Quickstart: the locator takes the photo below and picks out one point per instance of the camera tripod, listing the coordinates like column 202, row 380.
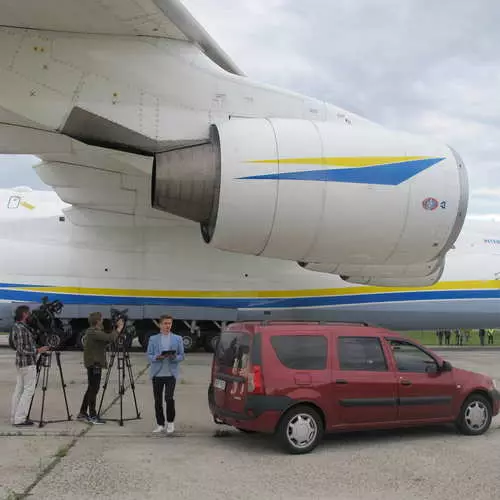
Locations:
column 120, row 352
column 43, row 365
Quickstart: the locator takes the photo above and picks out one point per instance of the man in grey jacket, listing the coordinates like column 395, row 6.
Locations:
column 164, row 370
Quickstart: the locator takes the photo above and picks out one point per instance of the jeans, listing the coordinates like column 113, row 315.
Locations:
column 94, row 381
column 23, row 393
column 167, row 383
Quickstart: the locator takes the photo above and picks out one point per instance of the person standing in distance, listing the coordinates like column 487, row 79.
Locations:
column 94, row 359
column 164, row 370
column 26, row 351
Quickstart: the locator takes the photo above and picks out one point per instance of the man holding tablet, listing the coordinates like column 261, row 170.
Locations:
column 165, row 352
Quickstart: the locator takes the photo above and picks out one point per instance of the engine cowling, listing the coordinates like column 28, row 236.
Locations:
column 402, row 281
column 388, row 271
column 317, row 192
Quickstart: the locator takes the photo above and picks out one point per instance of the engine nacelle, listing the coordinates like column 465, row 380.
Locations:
column 317, row 192
column 403, row 271
column 404, row 281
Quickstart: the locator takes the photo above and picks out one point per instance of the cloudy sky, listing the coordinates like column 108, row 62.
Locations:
column 426, row 66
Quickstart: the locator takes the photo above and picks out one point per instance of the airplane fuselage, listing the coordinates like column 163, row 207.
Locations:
column 157, row 269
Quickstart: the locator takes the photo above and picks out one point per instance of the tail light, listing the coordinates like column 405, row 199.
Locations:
column 255, row 380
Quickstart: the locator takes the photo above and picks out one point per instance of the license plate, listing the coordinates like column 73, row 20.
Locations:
column 220, row 384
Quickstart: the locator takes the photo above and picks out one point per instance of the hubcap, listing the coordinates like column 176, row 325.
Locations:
column 476, row 415
column 301, row 430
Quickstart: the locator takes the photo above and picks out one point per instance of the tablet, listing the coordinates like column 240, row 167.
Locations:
column 166, row 353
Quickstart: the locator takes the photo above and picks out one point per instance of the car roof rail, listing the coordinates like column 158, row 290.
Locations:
column 266, row 322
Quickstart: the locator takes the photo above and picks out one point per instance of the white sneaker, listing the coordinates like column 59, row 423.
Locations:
column 170, row 427
column 160, row 428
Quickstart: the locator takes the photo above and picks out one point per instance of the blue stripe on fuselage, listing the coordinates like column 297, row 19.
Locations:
column 250, row 303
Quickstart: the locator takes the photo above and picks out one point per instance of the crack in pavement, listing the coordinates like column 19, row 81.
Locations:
column 62, row 452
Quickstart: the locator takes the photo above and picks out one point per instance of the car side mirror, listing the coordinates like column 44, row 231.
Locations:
column 446, row 366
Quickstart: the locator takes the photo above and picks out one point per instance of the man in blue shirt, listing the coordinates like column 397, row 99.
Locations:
column 164, row 370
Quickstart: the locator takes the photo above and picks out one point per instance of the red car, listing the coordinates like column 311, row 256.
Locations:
column 300, row 380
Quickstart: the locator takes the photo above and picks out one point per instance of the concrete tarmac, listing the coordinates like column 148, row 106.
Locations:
column 74, row 460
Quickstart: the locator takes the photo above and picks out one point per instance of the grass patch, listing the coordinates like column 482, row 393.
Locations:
column 63, row 451
column 12, row 495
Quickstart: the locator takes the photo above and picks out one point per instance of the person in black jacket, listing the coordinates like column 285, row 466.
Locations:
column 94, row 359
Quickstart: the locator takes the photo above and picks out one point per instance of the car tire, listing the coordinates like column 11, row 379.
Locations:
column 300, row 430
column 475, row 415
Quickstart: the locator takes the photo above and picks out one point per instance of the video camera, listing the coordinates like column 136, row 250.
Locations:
column 128, row 332
column 48, row 329
column 116, row 315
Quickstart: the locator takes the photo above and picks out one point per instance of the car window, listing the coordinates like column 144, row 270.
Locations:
column 233, row 350
column 361, row 354
column 301, row 352
column 410, row 358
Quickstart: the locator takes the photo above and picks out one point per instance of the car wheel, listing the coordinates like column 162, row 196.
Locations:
column 300, row 430
column 475, row 415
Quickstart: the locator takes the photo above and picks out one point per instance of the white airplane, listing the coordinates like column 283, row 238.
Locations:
column 185, row 183
column 44, row 254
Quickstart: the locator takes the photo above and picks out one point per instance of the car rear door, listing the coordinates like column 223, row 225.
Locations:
column 424, row 392
column 230, row 370
column 363, row 384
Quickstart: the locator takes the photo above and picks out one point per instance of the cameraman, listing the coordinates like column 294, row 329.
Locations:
column 26, row 351
column 94, row 359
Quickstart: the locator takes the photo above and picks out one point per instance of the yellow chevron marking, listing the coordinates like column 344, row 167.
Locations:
column 345, row 161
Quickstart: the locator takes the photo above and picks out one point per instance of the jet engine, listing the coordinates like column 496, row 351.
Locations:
column 319, row 192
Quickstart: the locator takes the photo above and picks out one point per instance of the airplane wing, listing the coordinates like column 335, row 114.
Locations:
column 105, row 186
column 151, row 18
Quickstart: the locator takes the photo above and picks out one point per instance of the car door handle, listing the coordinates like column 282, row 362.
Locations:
column 405, row 381
column 341, row 381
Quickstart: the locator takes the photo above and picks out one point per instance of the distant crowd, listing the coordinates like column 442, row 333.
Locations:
column 463, row 337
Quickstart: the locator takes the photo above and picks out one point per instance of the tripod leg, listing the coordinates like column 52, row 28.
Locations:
column 58, row 359
column 106, row 381
column 38, row 368
column 132, row 383
column 121, row 383
column 47, row 361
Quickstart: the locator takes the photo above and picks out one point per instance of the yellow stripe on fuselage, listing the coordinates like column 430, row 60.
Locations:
column 319, row 292
column 345, row 161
